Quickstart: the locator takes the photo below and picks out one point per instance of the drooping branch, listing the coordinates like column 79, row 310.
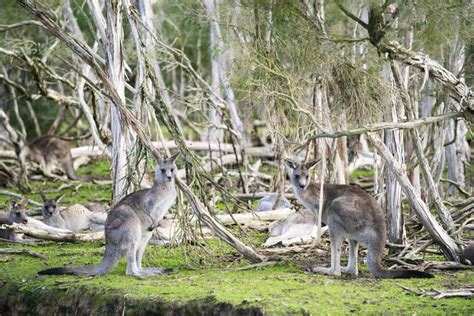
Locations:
column 388, row 125
column 86, row 55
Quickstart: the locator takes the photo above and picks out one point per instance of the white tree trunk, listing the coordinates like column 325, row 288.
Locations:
column 121, row 138
column 215, row 120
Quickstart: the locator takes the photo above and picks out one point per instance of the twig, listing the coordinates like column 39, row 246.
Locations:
column 27, row 251
column 19, row 196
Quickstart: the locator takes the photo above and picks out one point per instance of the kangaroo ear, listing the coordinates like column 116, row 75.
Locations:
column 173, row 158
column 59, row 197
column 13, row 203
column 156, row 155
column 23, row 202
column 290, row 163
column 310, row 164
column 43, row 197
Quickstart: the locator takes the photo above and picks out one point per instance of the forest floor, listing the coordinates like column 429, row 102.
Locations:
column 205, row 279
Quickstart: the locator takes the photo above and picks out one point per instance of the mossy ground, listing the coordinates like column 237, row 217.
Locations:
column 279, row 289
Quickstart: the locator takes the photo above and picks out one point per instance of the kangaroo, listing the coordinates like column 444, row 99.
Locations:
column 130, row 224
column 350, row 213
column 296, row 228
column 47, row 150
column 267, row 203
column 75, row 217
column 16, row 215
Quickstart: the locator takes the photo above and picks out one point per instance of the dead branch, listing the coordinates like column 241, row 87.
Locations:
column 439, row 294
column 19, row 196
column 27, row 251
column 42, row 234
column 242, row 218
column 219, row 230
column 387, row 125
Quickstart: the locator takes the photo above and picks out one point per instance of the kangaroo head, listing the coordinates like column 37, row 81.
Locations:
column 299, row 172
column 165, row 169
column 50, row 206
column 18, row 211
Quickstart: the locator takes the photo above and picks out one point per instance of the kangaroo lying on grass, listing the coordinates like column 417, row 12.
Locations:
column 49, row 150
column 75, row 217
column 352, row 214
column 16, row 215
column 130, row 224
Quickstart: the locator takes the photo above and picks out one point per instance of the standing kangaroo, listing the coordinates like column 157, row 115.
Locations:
column 130, row 224
column 48, row 150
column 352, row 214
column 75, row 217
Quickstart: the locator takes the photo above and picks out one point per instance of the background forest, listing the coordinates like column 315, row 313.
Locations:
column 379, row 91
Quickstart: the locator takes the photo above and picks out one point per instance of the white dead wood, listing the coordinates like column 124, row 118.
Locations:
column 242, row 218
column 449, row 247
column 54, row 236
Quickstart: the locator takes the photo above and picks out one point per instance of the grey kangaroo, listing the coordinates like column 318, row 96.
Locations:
column 350, row 213
column 75, row 217
column 48, row 150
column 130, row 224
column 16, row 215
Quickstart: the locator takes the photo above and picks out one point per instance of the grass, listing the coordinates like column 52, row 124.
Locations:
column 282, row 288
column 279, row 289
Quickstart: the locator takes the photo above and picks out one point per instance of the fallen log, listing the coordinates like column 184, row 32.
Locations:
column 56, row 236
column 243, row 218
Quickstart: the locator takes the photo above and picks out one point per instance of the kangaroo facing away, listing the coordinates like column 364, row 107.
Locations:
column 75, row 217
column 49, row 150
column 16, row 215
column 352, row 214
column 130, row 224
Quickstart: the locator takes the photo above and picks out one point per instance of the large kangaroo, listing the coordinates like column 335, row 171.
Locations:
column 350, row 213
column 49, row 150
column 130, row 224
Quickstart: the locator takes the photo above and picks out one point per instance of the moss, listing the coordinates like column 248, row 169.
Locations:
column 281, row 288
column 202, row 283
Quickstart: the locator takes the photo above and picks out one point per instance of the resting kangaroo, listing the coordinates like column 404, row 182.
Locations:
column 16, row 215
column 48, row 150
column 130, row 224
column 352, row 214
column 75, row 217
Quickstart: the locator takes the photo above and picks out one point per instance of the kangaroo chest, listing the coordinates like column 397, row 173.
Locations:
column 159, row 202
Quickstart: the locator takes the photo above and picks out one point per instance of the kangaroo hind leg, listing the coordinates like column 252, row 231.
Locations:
column 335, row 268
column 352, row 263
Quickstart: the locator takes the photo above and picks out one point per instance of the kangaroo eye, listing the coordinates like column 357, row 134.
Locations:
column 297, row 176
column 163, row 170
column 172, row 169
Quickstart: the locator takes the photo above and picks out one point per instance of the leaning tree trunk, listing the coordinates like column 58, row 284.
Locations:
column 448, row 246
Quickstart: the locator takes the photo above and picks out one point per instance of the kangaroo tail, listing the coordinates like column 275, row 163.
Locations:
column 373, row 261
column 108, row 263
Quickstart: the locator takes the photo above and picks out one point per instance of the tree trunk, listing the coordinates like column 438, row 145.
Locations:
column 121, row 138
